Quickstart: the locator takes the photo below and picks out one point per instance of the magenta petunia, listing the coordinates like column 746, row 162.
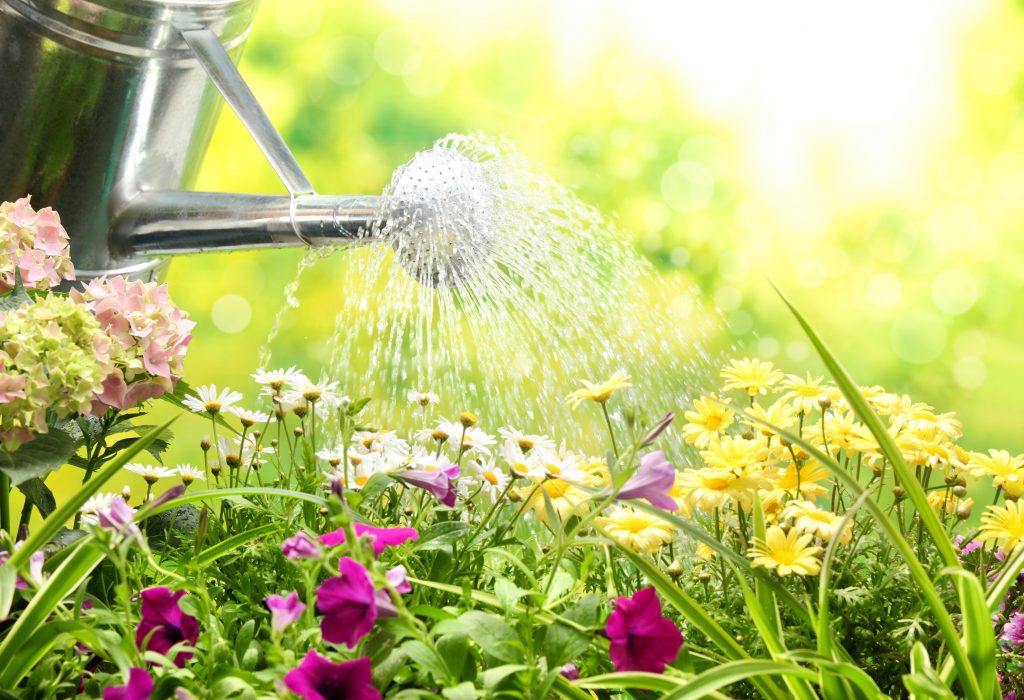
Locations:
column 139, row 687
column 381, row 537
column 1013, row 630
column 301, row 546
column 165, row 624
column 570, row 671
column 653, row 481
column 317, row 678
column 641, row 639
column 396, row 577
column 348, row 604
column 284, row 610
column 440, row 483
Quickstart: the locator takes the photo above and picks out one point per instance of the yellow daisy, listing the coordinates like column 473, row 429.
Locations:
column 921, row 418
column 808, row 517
column 1005, row 525
column 752, row 375
column 804, row 394
column 733, row 452
column 786, row 553
column 810, row 476
column 599, row 392
column 708, row 489
column 943, row 500
column 566, row 499
column 636, row 530
column 709, row 419
column 780, row 415
column 999, row 465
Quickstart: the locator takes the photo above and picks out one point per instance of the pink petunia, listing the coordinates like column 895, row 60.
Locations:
column 641, row 639
column 380, row 537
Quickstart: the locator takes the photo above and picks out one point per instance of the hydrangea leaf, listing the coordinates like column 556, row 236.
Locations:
column 35, row 459
column 39, row 494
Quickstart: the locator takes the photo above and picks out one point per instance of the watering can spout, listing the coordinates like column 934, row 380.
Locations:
column 172, row 222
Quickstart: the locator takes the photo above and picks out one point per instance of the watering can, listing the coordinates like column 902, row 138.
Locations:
column 107, row 109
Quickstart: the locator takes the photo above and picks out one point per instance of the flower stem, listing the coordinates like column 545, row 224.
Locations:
column 611, row 433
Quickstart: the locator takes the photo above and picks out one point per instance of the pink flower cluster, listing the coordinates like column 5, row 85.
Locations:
column 34, row 244
column 151, row 332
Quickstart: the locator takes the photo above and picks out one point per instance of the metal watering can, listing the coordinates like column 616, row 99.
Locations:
column 107, row 109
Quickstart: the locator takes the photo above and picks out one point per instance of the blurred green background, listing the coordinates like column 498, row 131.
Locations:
column 869, row 159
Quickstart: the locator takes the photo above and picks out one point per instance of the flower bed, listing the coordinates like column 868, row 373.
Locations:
column 818, row 540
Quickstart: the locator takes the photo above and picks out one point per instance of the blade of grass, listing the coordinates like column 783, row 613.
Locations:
column 735, row 671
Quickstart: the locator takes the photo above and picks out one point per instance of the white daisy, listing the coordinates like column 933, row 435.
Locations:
column 565, row 466
column 303, row 389
column 150, row 472
column 187, row 473
column 209, row 401
column 427, row 461
column 527, row 441
column 333, row 455
column 276, row 378
column 476, row 440
column 492, row 480
column 423, row 398
column 445, row 431
column 520, row 465
column 249, row 418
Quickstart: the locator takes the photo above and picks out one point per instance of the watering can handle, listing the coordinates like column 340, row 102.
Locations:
column 223, row 73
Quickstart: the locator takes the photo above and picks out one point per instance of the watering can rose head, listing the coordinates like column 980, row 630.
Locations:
column 34, row 245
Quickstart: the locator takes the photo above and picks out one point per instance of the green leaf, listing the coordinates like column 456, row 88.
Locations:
column 49, row 527
column 563, row 643
column 8, row 584
column 922, row 681
column 427, row 660
column 494, row 636
column 508, row 593
column 46, row 453
column 976, row 620
column 17, row 296
column 67, row 577
column 454, row 648
column 39, row 495
column 441, row 535
column 734, row 671
column 639, row 680
column 462, row 691
column 490, row 678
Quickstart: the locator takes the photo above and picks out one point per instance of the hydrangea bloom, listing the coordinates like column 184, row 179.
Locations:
column 151, row 335
column 53, row 354
column 34, row 244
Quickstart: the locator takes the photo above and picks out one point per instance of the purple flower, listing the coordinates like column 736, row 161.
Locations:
column 284, row 610
column 316, row 678
column 381, row 537
column 348, row 604
column 301, row 546
column 118, row 516
column 440, row 482
column 571, row 671
column 1013, row 631
column 168, row 624
column 396, row 577
column 658, row 429
column 965, row 549
column 641, row 639
column 19, row 583
column 653, row 481
column 139, row 686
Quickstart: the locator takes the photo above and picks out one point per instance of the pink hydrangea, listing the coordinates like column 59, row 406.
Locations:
column 151, row 332
column 34, row 244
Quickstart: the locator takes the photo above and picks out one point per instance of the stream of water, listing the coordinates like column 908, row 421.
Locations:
column 498, row 289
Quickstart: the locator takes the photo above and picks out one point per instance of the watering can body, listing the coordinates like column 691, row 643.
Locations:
column 103, row 100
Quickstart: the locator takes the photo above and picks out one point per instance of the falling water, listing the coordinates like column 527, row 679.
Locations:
column 498, row 289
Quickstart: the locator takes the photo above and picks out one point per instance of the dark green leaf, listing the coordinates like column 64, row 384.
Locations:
column 46, row 453
column 494, row 636
column 38, row 494
column 563, row 643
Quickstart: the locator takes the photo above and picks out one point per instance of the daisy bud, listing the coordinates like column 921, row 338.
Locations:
column 747, row 435
column 899, row 493
column 960, row 481
column 408, row 510
column 963, row 511
column 704, row 576
column 675, row 569
column 950, row 479
column 324, row 511
column 278, row 412
column 273, row 443
column 959, row 491
column 215, row 469
column 204, row 444
column 256, row 434
column 824, row 403
column 126, row 493
column 468, row 419
column 298, row 431
column 784, row 442
column 300, row 411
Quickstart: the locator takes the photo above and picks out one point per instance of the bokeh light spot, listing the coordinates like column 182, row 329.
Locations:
column 952, row 226
column 299, row 18
column 994, row 73
column 767, row 347
column 1007, row 174
column 348, row 61
column 687, row 186
column 918, row 336
column 954, row 291
column 393, row 49
column 231, row 313
column 728, row 298
column 426, row 74
column 969, row 372
column 885, row 290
